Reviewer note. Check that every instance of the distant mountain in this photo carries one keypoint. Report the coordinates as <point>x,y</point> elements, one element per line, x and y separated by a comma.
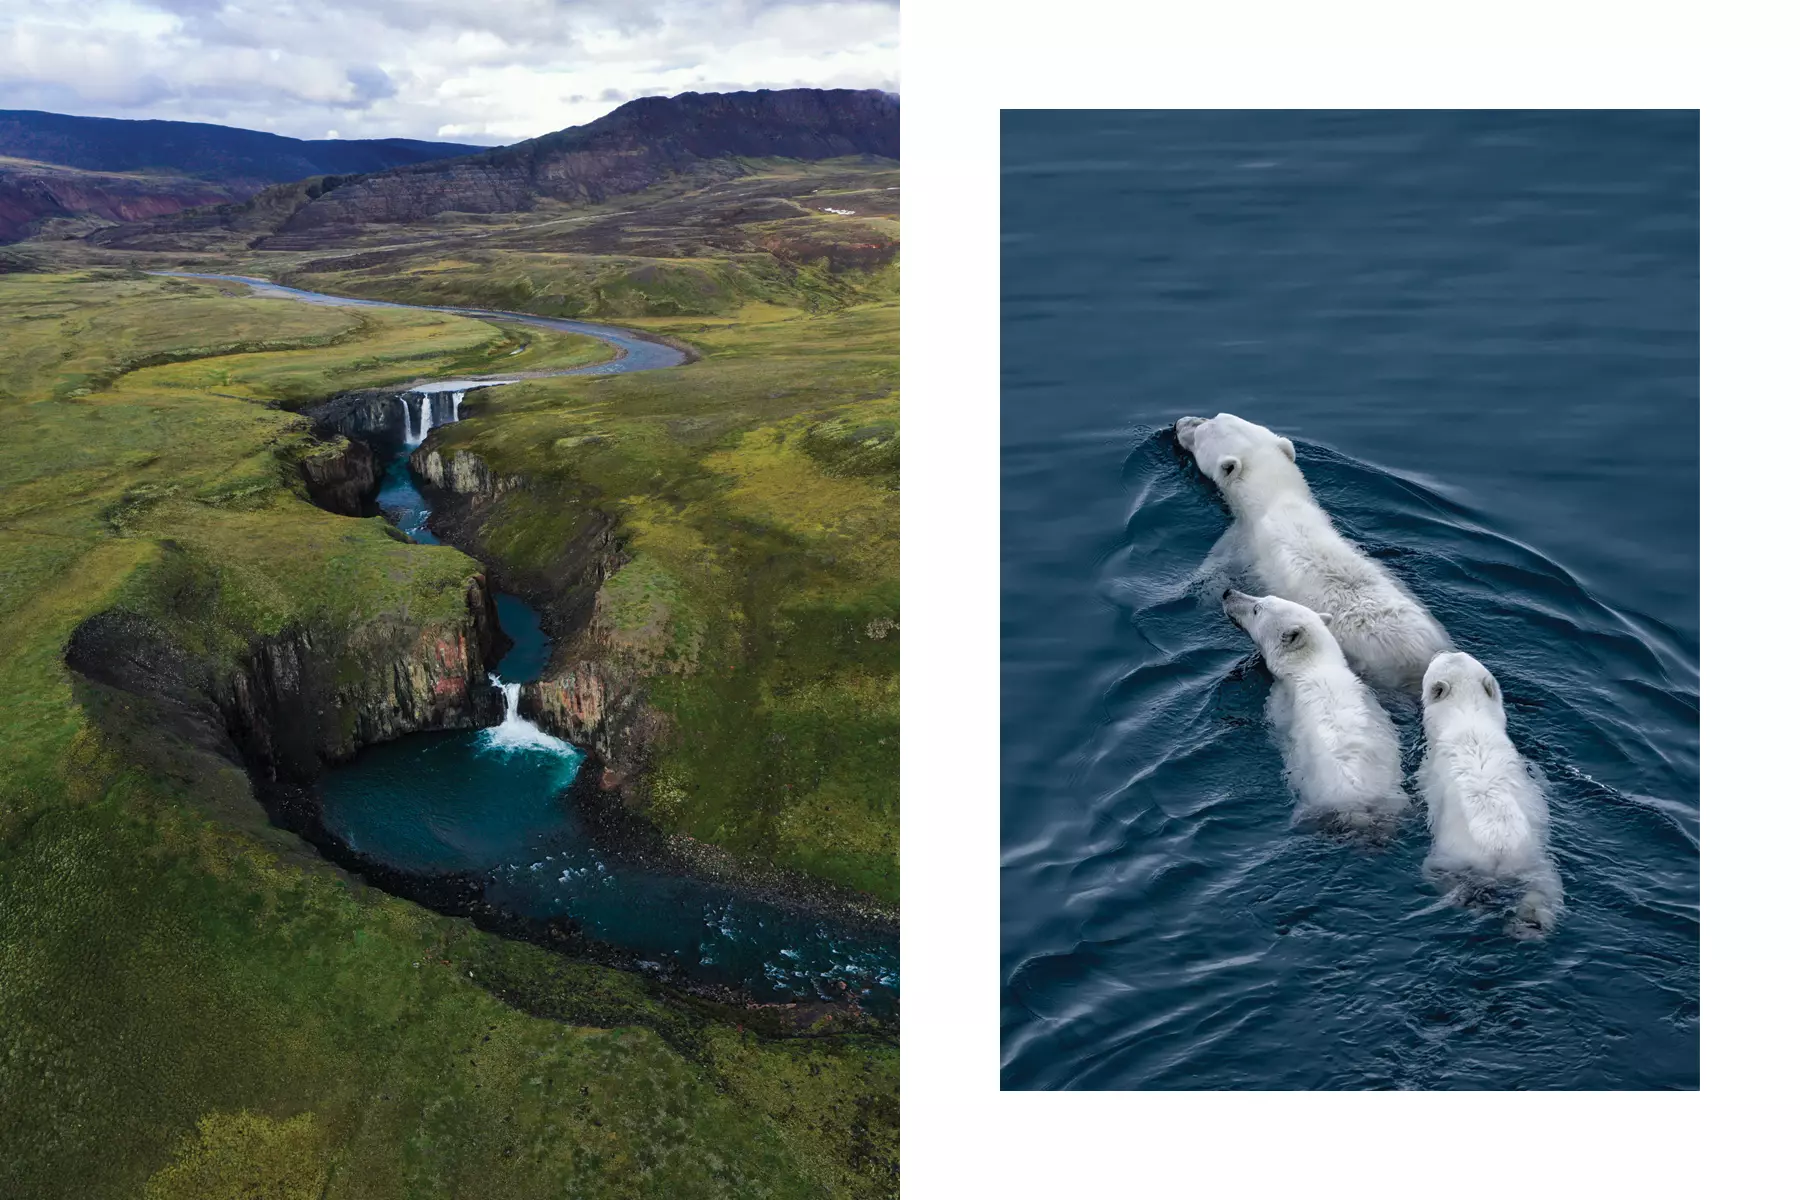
<point>33,194</point>
<point>213,152</point>
<point>86,170</point>
<point>636,145</point>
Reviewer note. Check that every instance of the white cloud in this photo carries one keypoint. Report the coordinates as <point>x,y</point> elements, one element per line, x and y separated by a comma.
<point>467,70</point>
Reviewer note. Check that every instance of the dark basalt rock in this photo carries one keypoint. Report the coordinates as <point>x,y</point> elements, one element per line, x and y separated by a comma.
<point>304,698</point>
<point>342,477</point>
<point>376,417</point>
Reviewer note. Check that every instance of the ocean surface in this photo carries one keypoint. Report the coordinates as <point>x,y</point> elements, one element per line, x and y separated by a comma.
<point>1481,331</point>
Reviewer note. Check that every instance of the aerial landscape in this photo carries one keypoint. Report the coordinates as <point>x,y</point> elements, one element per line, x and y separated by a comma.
<point>451,707</point>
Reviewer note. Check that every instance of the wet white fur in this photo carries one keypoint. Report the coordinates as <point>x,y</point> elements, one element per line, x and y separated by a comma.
<point>1489,822</point>
<point>1291,546</point>
<point>1342,756</point>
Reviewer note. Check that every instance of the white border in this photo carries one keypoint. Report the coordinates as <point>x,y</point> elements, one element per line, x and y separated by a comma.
<point>961,1136</point>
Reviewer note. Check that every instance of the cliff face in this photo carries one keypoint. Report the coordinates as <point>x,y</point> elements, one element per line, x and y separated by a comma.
<point>342,476</point>
<point>625,151</point>
<point>460,473</point>
<point>304,698</point>
<point>379,417</point>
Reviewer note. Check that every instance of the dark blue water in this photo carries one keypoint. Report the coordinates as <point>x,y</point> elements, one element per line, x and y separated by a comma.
<point>1482,332</point>
<point>530,651</point>
<point>400,501</point>
<point>470,803</point>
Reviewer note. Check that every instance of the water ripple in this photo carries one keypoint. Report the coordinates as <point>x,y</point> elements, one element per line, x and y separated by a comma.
<point>1198,940</point>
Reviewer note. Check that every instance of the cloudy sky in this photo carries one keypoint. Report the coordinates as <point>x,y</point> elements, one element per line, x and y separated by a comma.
<point>488,71</point>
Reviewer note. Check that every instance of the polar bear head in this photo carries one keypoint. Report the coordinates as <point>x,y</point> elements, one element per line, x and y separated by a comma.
<point>1456,687</point>
<point>1291,636</point>
<point>1230,449</point>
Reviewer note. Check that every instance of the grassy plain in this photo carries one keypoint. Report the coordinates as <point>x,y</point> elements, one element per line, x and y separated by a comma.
<point>191,1003</point>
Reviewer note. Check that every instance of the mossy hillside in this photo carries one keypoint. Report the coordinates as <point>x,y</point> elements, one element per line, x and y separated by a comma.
<point>756,490</point>
<point>190,1001</point>
<point>181,1003</point>
<point>68,336</point>
<point>391,347</point>
<point>752,232</point>
<point>603,287</point>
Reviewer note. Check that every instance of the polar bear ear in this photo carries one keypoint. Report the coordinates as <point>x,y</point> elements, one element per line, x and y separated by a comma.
<point>1326,619</point>
<point>1490,687</point>
<point>1228,467</point>
<point>1438,689</point>
<point>1287,447</point>
<point>1291,637</point>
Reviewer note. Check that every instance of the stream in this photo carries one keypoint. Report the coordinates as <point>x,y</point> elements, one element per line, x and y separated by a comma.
<point>492,805</point>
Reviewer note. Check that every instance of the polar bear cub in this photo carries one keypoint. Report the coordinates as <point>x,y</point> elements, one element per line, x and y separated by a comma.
<point>1489,822</point>
<point>1295,552</point>
<point>1342,757</point>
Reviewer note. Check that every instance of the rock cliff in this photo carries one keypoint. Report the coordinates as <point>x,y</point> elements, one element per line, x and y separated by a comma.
<point>341,476</point>
<point>379,417</point>
<point>304,698</point>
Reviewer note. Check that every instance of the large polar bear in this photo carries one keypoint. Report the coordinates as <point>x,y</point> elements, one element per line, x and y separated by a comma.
<point>1343,759</point>
<point>1290,543</point>
<point>1489,822</point>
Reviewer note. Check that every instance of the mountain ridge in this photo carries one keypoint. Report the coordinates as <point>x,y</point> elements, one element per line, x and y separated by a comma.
<point>627,150</point>
<point>217,153</point>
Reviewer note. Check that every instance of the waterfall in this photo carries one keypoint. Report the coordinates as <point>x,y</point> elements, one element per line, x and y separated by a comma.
<point>455,406</point>
<point>515,732</point>
<point>406,412</point>
<point>425,399</point>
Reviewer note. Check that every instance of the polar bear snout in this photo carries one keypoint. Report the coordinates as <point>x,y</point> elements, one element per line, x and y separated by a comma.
<point>1237,606</point>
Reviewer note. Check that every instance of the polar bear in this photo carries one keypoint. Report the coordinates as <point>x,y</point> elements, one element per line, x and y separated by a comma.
<point>1295,552</point>
<point>1342,756</point>
<point>1489,822</point>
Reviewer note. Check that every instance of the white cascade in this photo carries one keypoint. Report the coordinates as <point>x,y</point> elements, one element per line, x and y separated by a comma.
<point>406,413</point>
<point>515,732</point>
<point>456,406</point>
<point>424,416</point>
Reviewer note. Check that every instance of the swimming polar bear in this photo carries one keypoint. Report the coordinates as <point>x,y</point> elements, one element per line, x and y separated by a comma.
<point>1295,552</point>
<point>1489,822</point>
<point>1342,756</point>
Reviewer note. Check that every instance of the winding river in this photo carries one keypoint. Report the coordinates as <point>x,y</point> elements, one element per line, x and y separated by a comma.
<point>491,808</point>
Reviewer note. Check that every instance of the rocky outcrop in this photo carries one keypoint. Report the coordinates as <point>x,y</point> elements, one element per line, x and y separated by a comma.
<point>379,417</point>
<point>599,705</point>
<point>341,476</point>
<point>460,473</point>
<point>304,701</point>
<point>304,698</point>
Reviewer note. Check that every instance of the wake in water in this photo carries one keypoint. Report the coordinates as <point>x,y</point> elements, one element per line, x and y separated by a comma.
<point>1188,904</point>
